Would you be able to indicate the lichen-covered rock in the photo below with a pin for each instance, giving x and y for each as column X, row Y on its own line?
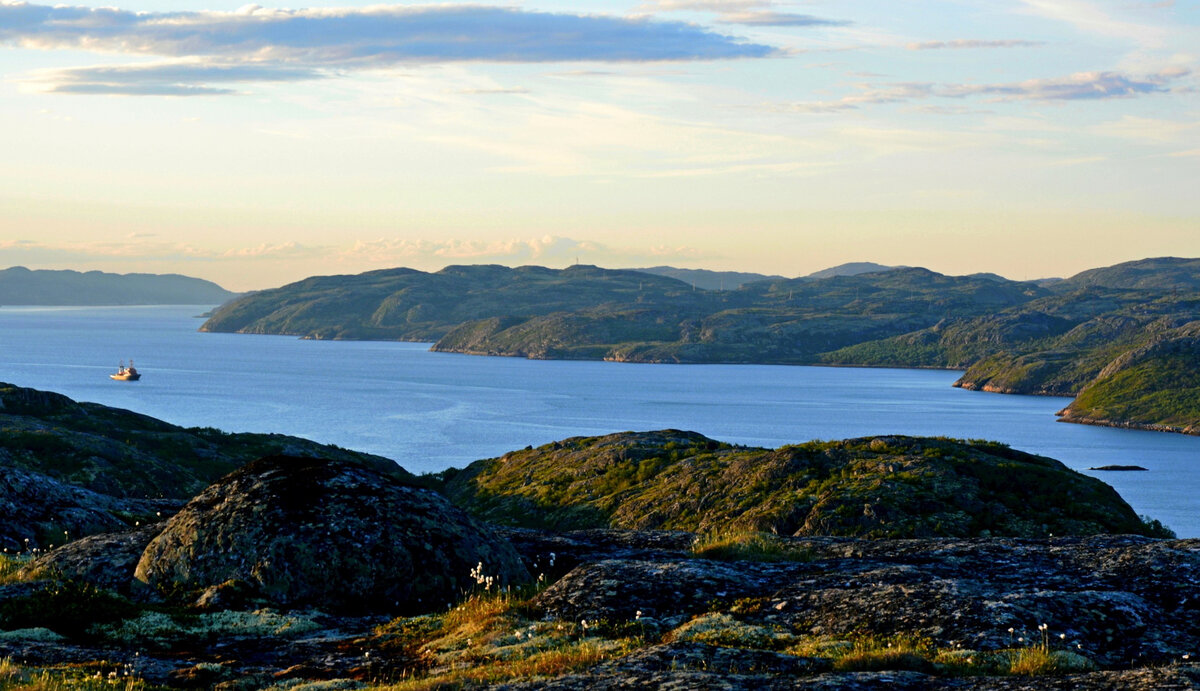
column 331, row 534
column 1117, row 600
column 105, row 561
column 37, row 511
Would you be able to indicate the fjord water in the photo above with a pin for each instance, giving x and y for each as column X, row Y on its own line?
column 430, row 411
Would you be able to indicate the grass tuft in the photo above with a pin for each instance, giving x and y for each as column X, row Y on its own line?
column 14, row 677
column 1040, row 661
column 10, row 568
column 874, row 654
column 748, row 546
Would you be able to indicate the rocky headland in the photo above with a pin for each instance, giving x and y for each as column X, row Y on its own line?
column 330, row 573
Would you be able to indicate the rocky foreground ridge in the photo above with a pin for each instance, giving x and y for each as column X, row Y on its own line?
column 305, row 572
column 70, row 469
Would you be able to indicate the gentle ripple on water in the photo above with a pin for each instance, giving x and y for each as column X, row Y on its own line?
column 431, row 411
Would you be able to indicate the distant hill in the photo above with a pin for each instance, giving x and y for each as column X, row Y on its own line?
column 988, row 275
column 1161, row 273
column 1025, row 337
column 852, row 269
column 409, row 305
column 710, row 280
column 22, row 286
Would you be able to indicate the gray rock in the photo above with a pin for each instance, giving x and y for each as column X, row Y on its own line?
column 46, row 511
column 107, row 560
column 1118, row 600
column 330, row 534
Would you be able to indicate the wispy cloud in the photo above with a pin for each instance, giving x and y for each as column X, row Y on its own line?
column 870, row 95
column 504, row 91
column 961, row 44
column 743, row 12
column 1082, row 86
column 1085, row 86
column 260, row 44
column 189, row 78
column 550, row 250
column 1089, row 17
column 767, row 18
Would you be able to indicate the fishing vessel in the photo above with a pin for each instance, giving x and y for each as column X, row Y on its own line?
column 124, row 373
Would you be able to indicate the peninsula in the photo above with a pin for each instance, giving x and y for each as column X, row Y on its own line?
column 1122, row 333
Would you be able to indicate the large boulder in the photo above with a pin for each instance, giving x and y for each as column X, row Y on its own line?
column 335, row 535
column 106, row 560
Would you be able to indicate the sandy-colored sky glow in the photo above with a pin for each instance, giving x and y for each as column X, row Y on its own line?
column 257, row 145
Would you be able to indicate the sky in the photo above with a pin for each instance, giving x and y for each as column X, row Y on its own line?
column 256, row 145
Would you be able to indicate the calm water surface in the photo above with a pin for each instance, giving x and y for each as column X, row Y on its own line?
column 430, row 411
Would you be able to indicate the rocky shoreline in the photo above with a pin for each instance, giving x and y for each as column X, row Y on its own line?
column 1065, row 416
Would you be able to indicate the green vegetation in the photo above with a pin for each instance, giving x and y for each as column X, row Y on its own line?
column 742, row 546
column 10, row 567
column 68, row 608
column 1011, row 337
column 93, row 676
column 882, row 487
column 492, row 638
column 1158, row 386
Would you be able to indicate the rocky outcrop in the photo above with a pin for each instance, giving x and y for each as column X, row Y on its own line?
column 38, row 512
column 335, row 535
column 667, row 619
column 1118, row 600
column 693, row 666
column 106, row 561
column 883, row 487
column 84, row 468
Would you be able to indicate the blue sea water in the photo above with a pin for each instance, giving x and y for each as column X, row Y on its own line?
column 429, row 411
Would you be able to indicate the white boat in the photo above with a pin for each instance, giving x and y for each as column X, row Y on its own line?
column 124, row 373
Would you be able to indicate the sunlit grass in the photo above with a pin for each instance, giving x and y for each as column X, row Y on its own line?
column 748, row 546
column 95, row 677
column 10, row 567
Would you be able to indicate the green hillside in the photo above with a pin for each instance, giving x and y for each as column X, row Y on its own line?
column 882, row 487
column 1045, row 338
column 1156, row 386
